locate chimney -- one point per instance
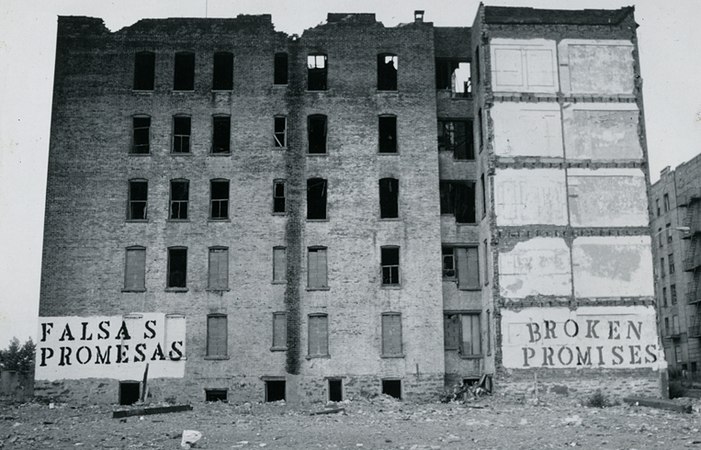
(664, 171)
(418, 16)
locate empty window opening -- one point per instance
(280, 133)
(184, 71)
(389, 198)
(279, 331)
(390, 265)
(217, 335)
(274, 390)
(138, 194)
(391, 334)
(135, 269)
(461, 83)
(458, 199)
(388, 134)
(181, 134)
(279, 196)
(317, 70)
(218, 268)
(462, 332)
(221, 134)
(223, 71)
(445, 68)
(177, 267)
(215, 395)
(317, 271)
(280, 75)
(318, 335)
(449, 270)
(393, 388)
(456, 136)
(477, 64)
(141, 132)
(144, 71)
(387, 72)
(316, 133)
(279, 264)
(483, 185)
(665, 198)
(478, 126)
(335, 390)
(219, 203)
(129, 392)
(316, 198)
(179, 199)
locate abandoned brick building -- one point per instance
(237, 213)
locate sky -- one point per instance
(668, 40)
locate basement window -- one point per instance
(316, 133)
(141, 131)
(144, 71)
(280, 132)
(279, 197)
(280, 75)
(335, 389)
(223, 71)
(215, 395)
(317, 71)
(456, 136)
(389, 198)
(181, 134)
(177, 267)
(458, 199)
(221, 134)
(316, 198)
(387, 72)
(388, 134)
(179, 199)
(138, 194)
(184, 71)
(129, 392)
(219, 199)
(274, 390)
(393, 388)
(389, 263)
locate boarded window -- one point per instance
(458, 198)
(279, 331)
(390, 266)
(387, 72)
(456, 136)
(389, 198)
(471, 344)
(316, 133)
(316, 198)
(141, 135)
(391, 334)
(279, 264)
(388, 134)
(181, 134)
(135, 269)
(485, 248)
(451, 331)
(468, 267)
(184, 71)
(279, 196)
(219, 203)
(217, 335)
(177, 267)
(280, 133)
(221, 134)
(223, 71)
(138, 194)
(280, 75)
(318, 335)
(179, 199)
(317, 69)
(144, 70)
(317, 268)
(218, 268)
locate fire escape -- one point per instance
(692, 258)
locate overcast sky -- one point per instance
(669, 37)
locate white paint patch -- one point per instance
(530, 197)
(523, 65)
(527, 129)
(538, 266)
(612, 266)
(591, 337)
(116, 347)
(589, 66)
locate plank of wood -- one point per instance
(659, 403)
(149, 411)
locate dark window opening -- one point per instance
(458, 198)
(316, 198)
(317, 69)
(389, 198)
(219, 203)
(477, 64)
(184, 71)
(141, 139)
(129, 392)
(179, 199)
(390, 265)
(144, 71)
(335, 390)
(181, 134)
(456, 136)
(177, 267)
(478, 135)
(449, 270)
(274, 390)
(221, 134)
(444, 72)
(217, 335)
(223, 71)
(665, 197)
(215, 395)
(388, 134)
(279, 196)
(280, 75)
(393, 388)
(138, 194)
(316, 133)
(387, 72)
(280, 134)
(484, 195)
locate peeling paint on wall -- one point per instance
(596, 66)
(527, 129)
(612, 266)
(523, 65)
(538, 266)
(525, 197)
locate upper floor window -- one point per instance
(217, 335)
(223, 71)
(179, 199)
(387, 72)
(388, 134)
(135, 269)
(218, 279)
(390, 266)
(316, 133)
(221, 134)
(219, 199)
(461, 264)
(317, 271)
(318, 338)
(279, 197)
(392, 335)
(317, 71)
(138, 195)
(458, 198)
(456, 136)
(141, 135)
(181, 134)
(280, 131)
(177, 267)
(144, 71)
(280, 75)
(453, 74)
(389, 198)
(184, 71)
(316, 198)
(666, 202)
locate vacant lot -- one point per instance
(492, 422)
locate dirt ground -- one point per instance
(382, 423)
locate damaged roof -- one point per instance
(522, 16)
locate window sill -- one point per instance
(182, 91)
(317, 90)
(222, 90)
(278, 349)
(176, 289)
(390, 219)
(137, 220)
(387, 91)
(318, 220)
(471, 356)
(317, 154)
(326, 288)
(278, 282)
(280, 85)
(392, 356)
(180, 153)
(391, 286)
(142, 91)
(133, 290)
(216, 358)
(178, 220)
(282, 149)
(218, 220)
(471, 289)
(217, 290)
(318, 357)
(462, 224)
(388, 153)
(219, 154)
(141, 155)
(279, 214)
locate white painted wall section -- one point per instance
(612, 266)
(527, 129)
(524, 65)
(538, 266)
(530, 197)
(598, 67)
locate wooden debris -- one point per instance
(659, 404)
(149, 411)
(327, 411)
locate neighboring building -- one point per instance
(355, 211)
(676, 224)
